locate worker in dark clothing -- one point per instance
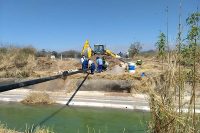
(91, 66)
(85, 65)
(104, 66)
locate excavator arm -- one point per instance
(110, 53)
(87, 50)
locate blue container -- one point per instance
(131, 67)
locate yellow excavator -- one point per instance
(98, 49)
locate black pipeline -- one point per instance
(36, 81)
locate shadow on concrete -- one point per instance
(60, 109)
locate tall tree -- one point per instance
(161, 46)
(135, 49)
(193, 36)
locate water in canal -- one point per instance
(64, 119)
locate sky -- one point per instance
(66, 24)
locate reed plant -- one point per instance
(171, 112)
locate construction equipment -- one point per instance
(98, 49)
(87, 50)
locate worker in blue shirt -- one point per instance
(99, 64)
(91, 66)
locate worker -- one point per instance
(91, 66)
(100, 64)
(82, 58)
(105, 63)
(85, 65)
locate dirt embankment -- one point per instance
(22, 63)
(106, 85)
(116, 78)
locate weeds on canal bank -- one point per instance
(171, 111)
(38, 130)
(38, 98)
(4, 129)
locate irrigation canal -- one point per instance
(62, 118)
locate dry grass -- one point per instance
(21, 63)
(4, 129)
(165, 105)
(48, 67)
(39, 130)
(16, 62)
(38, 98)
(43, 130)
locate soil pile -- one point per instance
(111, 60)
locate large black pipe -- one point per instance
(36, 81)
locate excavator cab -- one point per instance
(99, 49)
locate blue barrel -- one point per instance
(131, 67)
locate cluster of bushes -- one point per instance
(16, 61)
(71, 54)
(186, 54)
(20, 61)
(65, 54)
(148, 53)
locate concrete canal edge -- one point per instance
(93, 99)
(87, 99)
